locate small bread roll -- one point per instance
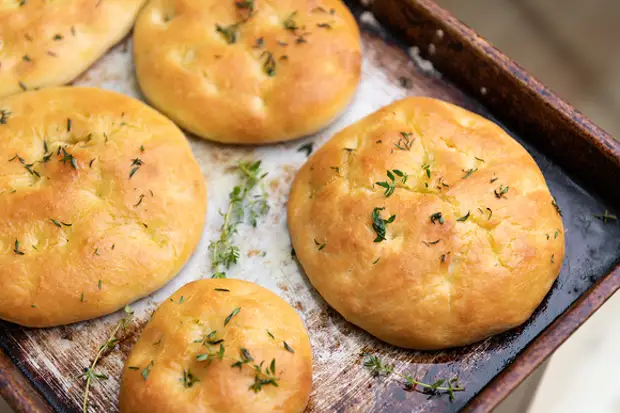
(220, 346)
(101, 203)
(427, 226)
(49, 43)
(248, 71)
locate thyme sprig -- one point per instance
(405, 141)
(391, 184)
(378, 223)
(247, 5)
(228, 32)
(606, 216)
(135, 164)
(89, 373)
(4, 116)
(501, 191)
(378, 368)
(289, 23)
(245, 204)
(269, 65)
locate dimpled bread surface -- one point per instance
(101, 203)
(49, 43)
(248, 71)
(185, 358)
(435, 281)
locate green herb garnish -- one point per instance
(140, 200)
(427, 168)
(307, 148)
(67, 157)
(405, 141)
(468, 172)
(556, 206)
(246, 4)
(89, 373)
(437, 217)
(288, 348)
(289, 23)
(268, 377)
(228, 32)
(231, 315)
(188, 379)
(147, 370)
(501, 191)
(16, 249)
(245, 204)
(463, 218)
(136, 164)
(319, 245)
(4, 116)
(606, 216)
(379, 224)
(269, 66)
(378, 368)
(390, 186)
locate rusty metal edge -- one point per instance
(545, 344)
(17, 391)
(523, 103)
(425, 18)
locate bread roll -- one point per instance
(49, 43)
(427, 226)
(220, 346)
(248, 71)
(101, 203)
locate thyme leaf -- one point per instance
(228, 32)
(501, 191)
(90, 373)
(231, 315)
(378, 368)
(437, 217)
(379, 224)
(606, 216)
(405, 141)
(245, 204)
(307, 148)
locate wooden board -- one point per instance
(578, 160)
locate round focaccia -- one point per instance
(101, 203)
(49, 43)
(220, 346)
(427, 226)
(248, 71)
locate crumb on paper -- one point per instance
(424, 65)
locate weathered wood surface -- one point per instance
(53, 358)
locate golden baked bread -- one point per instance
(427, 226)
(248, 71)
(101, 203)
(220, 346)
(49, 43)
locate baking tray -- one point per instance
(39, 367)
